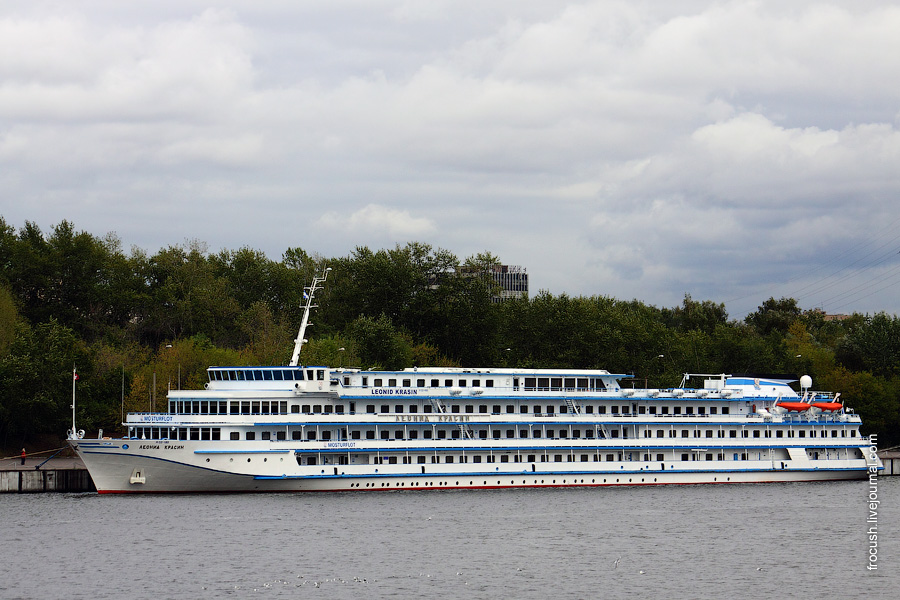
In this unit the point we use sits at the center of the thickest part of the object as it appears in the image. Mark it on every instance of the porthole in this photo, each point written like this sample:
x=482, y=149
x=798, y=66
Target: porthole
x=265, y=460
x=207, y=460
x=230, y=460
x=248, y=460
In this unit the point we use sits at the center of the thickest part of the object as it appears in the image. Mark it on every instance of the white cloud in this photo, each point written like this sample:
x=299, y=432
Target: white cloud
x=636, y=149
x=376, y=221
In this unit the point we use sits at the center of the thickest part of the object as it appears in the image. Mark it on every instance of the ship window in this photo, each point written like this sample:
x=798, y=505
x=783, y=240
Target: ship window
x=615, y=410
x=296, y=435
x=398, y=408
x=543, y=382
x=523, y=409
x=482, y=408
x=570, y=383
x=660, y=433
x=326, y=435
x=556, y=382
x=779, y=434
x=462, y=383
x=370, y=435
x=664, y=410
x=427, y=434
x=317, y=409
x=426, y=408
x=420, y=460
x=713, y=410
x=802, y=433
x=266, y=435
x=277, y=375
x=582, y=384
x=310, y=435
x=589, y=410
x=413, y=408
x=392, y=382
x=642, y=409
x=254, y=410
x=676, y=410
x=385, y=408
x=732, y=433
x=407, y=382
x=700, y=411
x=530, y=383
x=235, y=435
x=320, y=374
x=257, y=375
x=684, y=457
x=339, y=409
x=470, y=408
x=250, y=436
x=834, y=433
x=790, y=433
x=496, y=434
x=476, y=459
x=376, y=382
x=537, y=409
x=709, y=433
x=476, y=383
x=482, y=434
x=510, y=409
x=385, y=434
x=365, y=381
x=489, y=383
x=685, y=433
x=310, y=375
x=414, y=434
x=448, y=459
x=442, y=434
x=454, y=408
x=435, y=382
x=370, y=408
x=724, y=410
x=709, y=456
x=504, y=458
x=448, y=383
x=601, y=410
x=420, y=383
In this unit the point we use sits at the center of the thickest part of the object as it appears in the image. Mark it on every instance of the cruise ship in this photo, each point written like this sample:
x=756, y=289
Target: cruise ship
x=315, y=428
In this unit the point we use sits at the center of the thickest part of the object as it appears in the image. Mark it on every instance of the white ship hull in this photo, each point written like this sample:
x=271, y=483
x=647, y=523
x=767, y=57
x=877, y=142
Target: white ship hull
x=186, y=470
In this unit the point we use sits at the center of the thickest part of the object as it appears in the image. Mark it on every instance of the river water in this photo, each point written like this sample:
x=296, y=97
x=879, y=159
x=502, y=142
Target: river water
x=800, y=540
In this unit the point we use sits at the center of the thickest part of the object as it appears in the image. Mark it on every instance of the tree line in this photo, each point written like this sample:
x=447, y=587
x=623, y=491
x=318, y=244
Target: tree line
x=135, y=325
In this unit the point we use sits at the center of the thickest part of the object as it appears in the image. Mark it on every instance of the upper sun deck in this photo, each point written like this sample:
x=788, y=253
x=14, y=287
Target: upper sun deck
x=458, y=381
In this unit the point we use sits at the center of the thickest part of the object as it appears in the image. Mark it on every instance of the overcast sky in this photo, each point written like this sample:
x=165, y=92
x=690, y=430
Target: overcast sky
x=732, y=151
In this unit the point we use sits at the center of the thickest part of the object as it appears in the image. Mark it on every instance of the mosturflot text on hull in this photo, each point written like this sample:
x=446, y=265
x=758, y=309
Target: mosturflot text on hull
x=314, y=428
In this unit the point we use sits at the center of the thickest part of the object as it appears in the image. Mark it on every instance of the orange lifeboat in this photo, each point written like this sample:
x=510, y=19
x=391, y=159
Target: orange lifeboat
x=793, y=406
x=833, y=406
x=828, y=406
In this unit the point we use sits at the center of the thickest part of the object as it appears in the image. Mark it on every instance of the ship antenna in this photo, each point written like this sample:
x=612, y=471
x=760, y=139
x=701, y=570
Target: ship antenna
x=308, y=293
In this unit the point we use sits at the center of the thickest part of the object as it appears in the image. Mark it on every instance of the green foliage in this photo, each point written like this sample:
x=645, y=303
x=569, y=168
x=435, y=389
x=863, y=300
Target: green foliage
x=70, y=298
